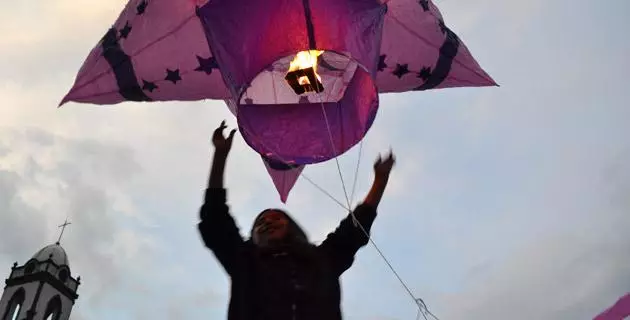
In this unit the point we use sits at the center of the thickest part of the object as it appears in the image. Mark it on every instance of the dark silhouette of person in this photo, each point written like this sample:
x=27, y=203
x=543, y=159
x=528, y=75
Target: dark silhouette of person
x=278, y=274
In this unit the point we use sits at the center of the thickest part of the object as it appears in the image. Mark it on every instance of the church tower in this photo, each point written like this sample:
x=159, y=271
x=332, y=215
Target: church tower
x=41, y=289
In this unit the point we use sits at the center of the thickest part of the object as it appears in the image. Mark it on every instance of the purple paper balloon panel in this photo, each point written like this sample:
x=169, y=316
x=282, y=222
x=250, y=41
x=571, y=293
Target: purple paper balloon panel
x=156, y=51
x=247, y=42
x=284, y=179
x=419, y=52
x=301, y=134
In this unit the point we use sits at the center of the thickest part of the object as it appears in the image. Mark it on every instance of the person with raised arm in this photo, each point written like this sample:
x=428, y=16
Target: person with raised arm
x=277, y=274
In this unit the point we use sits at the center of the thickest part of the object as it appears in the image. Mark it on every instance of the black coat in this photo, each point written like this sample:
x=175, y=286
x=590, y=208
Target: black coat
x=299, y=282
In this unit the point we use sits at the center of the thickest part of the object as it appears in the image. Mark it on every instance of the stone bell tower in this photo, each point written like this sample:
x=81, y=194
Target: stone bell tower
x=41, y=289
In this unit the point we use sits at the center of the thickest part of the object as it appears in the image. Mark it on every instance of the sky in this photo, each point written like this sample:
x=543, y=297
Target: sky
x=508, y=202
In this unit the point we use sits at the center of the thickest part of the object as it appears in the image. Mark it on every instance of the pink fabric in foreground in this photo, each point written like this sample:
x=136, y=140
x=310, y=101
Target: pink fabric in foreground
x=619, y=311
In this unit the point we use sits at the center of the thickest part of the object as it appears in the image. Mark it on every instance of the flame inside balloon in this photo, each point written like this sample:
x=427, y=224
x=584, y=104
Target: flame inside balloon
x=302, y=75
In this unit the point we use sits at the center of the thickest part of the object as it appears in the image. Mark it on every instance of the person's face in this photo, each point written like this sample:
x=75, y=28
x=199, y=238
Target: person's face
x=271, y=226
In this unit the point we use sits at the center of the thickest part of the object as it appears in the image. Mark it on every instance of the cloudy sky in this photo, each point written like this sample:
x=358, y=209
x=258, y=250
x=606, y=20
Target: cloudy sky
x=506, y=203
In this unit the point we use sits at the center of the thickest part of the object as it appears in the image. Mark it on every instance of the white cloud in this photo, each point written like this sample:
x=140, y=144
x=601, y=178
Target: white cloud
x=50, y=23
x=72, y=178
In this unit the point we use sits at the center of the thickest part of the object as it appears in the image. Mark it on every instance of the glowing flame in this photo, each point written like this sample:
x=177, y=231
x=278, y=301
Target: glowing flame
x=305, y=60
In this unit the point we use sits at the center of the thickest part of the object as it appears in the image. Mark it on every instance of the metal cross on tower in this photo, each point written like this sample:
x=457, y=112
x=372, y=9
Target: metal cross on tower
x=63, y=227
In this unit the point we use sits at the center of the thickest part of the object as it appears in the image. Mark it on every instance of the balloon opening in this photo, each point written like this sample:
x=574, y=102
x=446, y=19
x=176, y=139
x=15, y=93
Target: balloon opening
x=302, y=75
x=312, y=127
x=301, y=78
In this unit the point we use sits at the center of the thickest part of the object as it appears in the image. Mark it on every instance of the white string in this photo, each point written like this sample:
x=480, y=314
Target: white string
x=324, y=191
x=332, y=144
x=356, y=172
x=422, y=308
x=420, y=312
x=417, y=301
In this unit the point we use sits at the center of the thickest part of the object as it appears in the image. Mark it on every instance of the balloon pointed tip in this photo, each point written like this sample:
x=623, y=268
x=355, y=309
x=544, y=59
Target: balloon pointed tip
x=63, y=101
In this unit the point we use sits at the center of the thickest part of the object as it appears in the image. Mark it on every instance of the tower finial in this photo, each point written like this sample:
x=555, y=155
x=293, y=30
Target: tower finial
x=63, y=227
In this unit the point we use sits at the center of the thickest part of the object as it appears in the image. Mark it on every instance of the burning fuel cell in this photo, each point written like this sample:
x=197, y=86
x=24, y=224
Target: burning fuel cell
x=302, y=75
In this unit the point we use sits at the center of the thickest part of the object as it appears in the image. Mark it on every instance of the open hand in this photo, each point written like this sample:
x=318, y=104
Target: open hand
x=221, y=143
x=383, y=167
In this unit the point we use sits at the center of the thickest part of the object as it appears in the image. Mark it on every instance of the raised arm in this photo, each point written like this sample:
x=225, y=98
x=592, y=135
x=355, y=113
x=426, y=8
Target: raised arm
x=217, y=227
x=342, y=244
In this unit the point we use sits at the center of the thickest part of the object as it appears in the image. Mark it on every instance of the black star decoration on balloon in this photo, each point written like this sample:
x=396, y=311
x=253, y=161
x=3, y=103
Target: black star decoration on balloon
x=142, y=7
x=425, y=73
x=424, y=4
x=381, y=62
x=173, y=75
x=148, y=85
x=207, y=65
x=401, y=70
x=124, y=32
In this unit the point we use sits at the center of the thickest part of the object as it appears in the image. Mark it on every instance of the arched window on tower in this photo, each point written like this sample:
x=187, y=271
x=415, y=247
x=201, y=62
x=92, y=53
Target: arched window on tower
x=53, y=309
x=15, y=305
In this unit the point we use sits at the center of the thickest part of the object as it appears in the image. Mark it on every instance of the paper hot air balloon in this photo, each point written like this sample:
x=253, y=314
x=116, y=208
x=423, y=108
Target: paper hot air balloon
x=302, y=77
